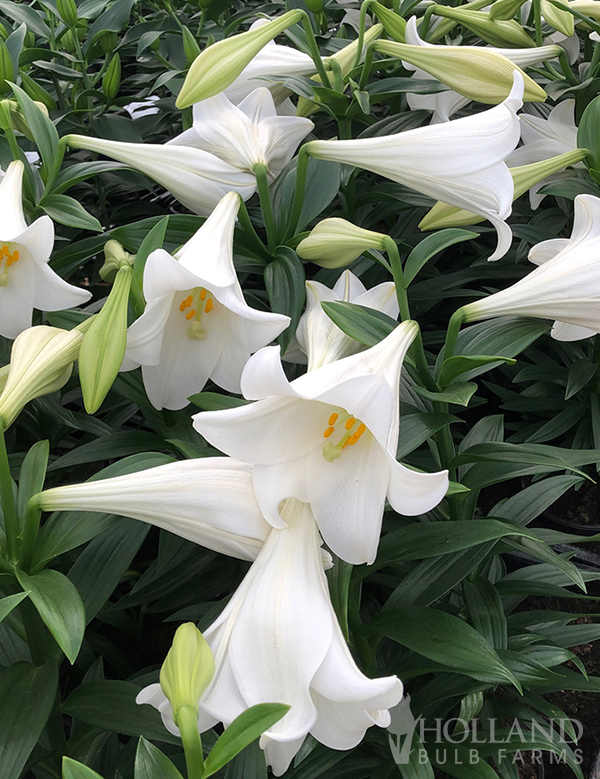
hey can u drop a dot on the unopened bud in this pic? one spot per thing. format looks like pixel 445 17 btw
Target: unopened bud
pixel 561 20
pixel 495 32
pixel 37 92
pixel 335 243
pixel 220 64
pixel 111 80
pixel 103 347
pixel 115 258
pixel 188 669
pixel 393 23
pixel 41 362
pixel 7 71
pixel 190 45
pixel 109 42
pixel 3 32
pixel 589 8
pixel 67 10
pixel 501 10
pixel 315 6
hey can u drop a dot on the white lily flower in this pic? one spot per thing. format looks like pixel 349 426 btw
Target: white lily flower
pixel 566 285
pixel 209 501
pixel 328 438
pixel 442 105
pixel 460 162
pixel 26 279
pixel 545 138
pixel 197 178
pixel 318 338
pixel 245 135
pixel 278 639
pixel 273 60
pixel 196 324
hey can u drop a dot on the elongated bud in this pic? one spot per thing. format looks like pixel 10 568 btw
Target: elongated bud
pixel 497 33
pixel 589 8
pixel 188 670
pixel 16 118
pixel 7 71
pixel 111 80
pixel 115 258
pixel 4 376
pixel 103 348
pixel 335 243
pixel 67 11
pixel 561 20
pixel 190 45
pixel 315 6
pixel 471 71
pixel 524 177
pixel 41 362
pixel 501 10
pixel 220 64
pixel 109 42
pixel 37 92
pixel 393 23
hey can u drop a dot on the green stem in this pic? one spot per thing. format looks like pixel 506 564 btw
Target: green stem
pixel 8 500
pixel 314 49
pixel 537 20
pixel 424 26
pixel 566 68
pixel 456 320
pixel 417 352
pixel 398 274
pixel 262 183
pixel 31 528
pixel 366 67
pixel 301 171
pixel 361 32
pixel 593 61
pixel 344 127
pixel 187 722
pixel 248 228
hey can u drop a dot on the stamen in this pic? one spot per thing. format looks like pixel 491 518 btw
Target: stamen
pixel 15 255
pixel 191 314
pixel 186 303
pixel 203 294
pixel 333 419
pixel 209 306
pixel 350 423
pixel 328 432
pixel 5 250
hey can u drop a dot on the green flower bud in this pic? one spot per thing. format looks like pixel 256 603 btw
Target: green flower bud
pixel 472 71
pixel 111 80
pixel 494 32
pixel 67 10
pixel 393 23
pixel 220 64
pixel 7 71
pixel 3 32
pixel 37 92
pixel 41 362
pixel 188 670
pixel 563 21
pixel 68 41
pixel 109 42
pixel 505 9
pixel 12 113
pixel 116 258
pixel 335 243
pixel 190 45
pixel 524 177
pixel 315 6
pixel 103 347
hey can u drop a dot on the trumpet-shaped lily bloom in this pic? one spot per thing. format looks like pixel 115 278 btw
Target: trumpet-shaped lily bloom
pixel 460 162
pixel 545 138
pixel 245 135
pixel 209 501
pixel 328 438
pixel 196 324
pixel 566 284
pixel 197 178
pixel 26 279
pixel 318 338
pixel 278 639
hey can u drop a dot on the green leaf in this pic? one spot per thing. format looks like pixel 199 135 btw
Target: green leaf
pixel 24 14
pixel 365 325
pixel 284 280
pixel 588 134
pixel 460 393
pixel 109 447
pixel 32 474
pixel 59 605
pixel 444 639
pixel 26 700
pixel 70 212
pixel 453 367
pixel 71 769
pixel 545 554
pixel 249 764
pixel 215 401
pixel 415 767
pixel 526 505
pixel 154 240
pixel 430 539
pixel 151 763
pixel 43 131
pixel 486 611
pixel 581 373
pixel 110 705
pixel 432 245
pixel 248 726
pixel 80 171
pixel 10 602
pixel 322 186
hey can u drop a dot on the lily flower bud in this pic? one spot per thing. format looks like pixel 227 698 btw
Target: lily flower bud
pixel 111 80
pixel 561 20
pixel 41 362
pixel 335 243
pixel 188 669
pixel 116 258
pixel 190 45
pixel 7 71
pixel 493 31
pixel 67 11
pixel 505 9
pixel 103 347
pixel 220 64
pixel 393 23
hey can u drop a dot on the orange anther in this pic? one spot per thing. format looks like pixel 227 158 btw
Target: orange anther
pixel 350 423
pixel 360 431
pixel 191 314
pixel 202 294
pixel 328 432
pixel 209 306
pixel 9 262
pixel 5 250
pixel 15 255
pixel 333 419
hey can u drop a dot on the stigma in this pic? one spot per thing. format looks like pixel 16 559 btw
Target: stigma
pixel 347 431
pixel 197 303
